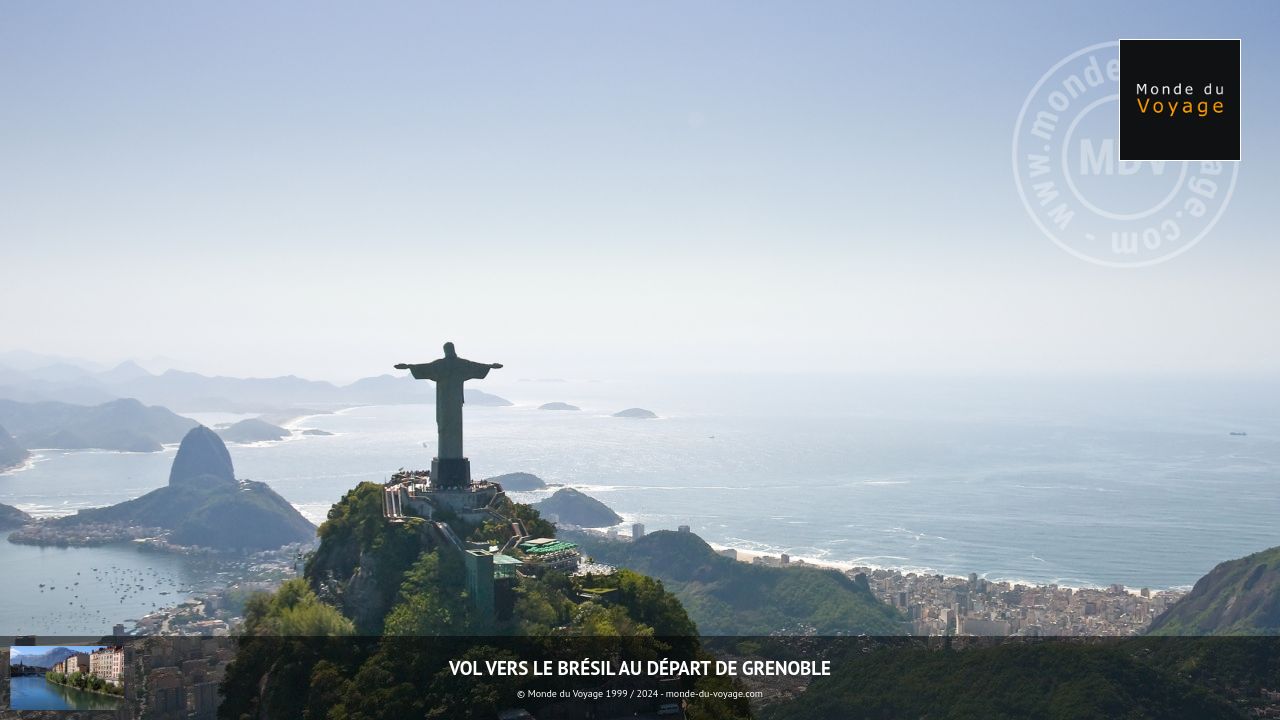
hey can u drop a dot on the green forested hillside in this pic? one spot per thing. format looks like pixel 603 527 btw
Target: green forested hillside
pixel 728 597
pixel 362 558
pixel 1238 597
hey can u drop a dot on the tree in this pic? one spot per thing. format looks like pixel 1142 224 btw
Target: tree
pixel 294 611
pixel 432 601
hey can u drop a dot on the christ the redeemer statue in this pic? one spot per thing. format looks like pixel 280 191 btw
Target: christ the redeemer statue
pixel 450 468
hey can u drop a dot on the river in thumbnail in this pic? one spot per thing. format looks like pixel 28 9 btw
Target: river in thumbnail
pixel 33 692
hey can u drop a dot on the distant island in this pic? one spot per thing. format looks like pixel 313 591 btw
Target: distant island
pixel 253 430
pixel 519 481
pixel 11 517
pixel 577 508
pixel 558 406
pixel 11 453
pixel 125 425
pixel 317 432
pixel 639 413
pixel 203 506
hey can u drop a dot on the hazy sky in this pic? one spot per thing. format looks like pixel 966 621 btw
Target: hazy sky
pixel 326 189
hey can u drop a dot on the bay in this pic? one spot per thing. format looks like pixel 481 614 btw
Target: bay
pixel 1084 483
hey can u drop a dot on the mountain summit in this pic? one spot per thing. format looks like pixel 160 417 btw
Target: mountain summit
pixel 202 459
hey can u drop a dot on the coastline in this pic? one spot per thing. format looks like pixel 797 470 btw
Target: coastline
pixel 293 422
pixel 746 549
pixel 749 556
pixel 26 464
pixel 309 510
pixel 937 604
pixel 845 566
pixel 1082 570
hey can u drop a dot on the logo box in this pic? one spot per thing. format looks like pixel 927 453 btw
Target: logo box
pixel 1179 100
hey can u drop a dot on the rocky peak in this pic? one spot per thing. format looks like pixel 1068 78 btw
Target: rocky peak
pixel 202 459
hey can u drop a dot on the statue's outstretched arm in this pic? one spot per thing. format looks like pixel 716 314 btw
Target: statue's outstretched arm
pixel 495 366
pixel 402 366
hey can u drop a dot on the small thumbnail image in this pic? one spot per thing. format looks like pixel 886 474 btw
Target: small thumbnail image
pixel 66 677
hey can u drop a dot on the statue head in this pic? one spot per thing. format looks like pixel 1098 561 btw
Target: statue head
pixel 449 351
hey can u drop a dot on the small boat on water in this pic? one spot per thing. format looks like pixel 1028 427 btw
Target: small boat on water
pixel 1239 434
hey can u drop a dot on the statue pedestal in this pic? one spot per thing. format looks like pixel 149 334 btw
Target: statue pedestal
pixel 450 472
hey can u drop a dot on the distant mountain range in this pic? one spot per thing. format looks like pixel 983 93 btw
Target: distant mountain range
pixel 46 659
pixel 72 407
pixel 115 425
pixel 192 392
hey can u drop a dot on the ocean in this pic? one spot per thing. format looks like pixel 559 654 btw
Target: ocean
pixel 1083 482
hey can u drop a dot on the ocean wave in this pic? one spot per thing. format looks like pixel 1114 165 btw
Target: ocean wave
pixel 1083 488
pixel 913 533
